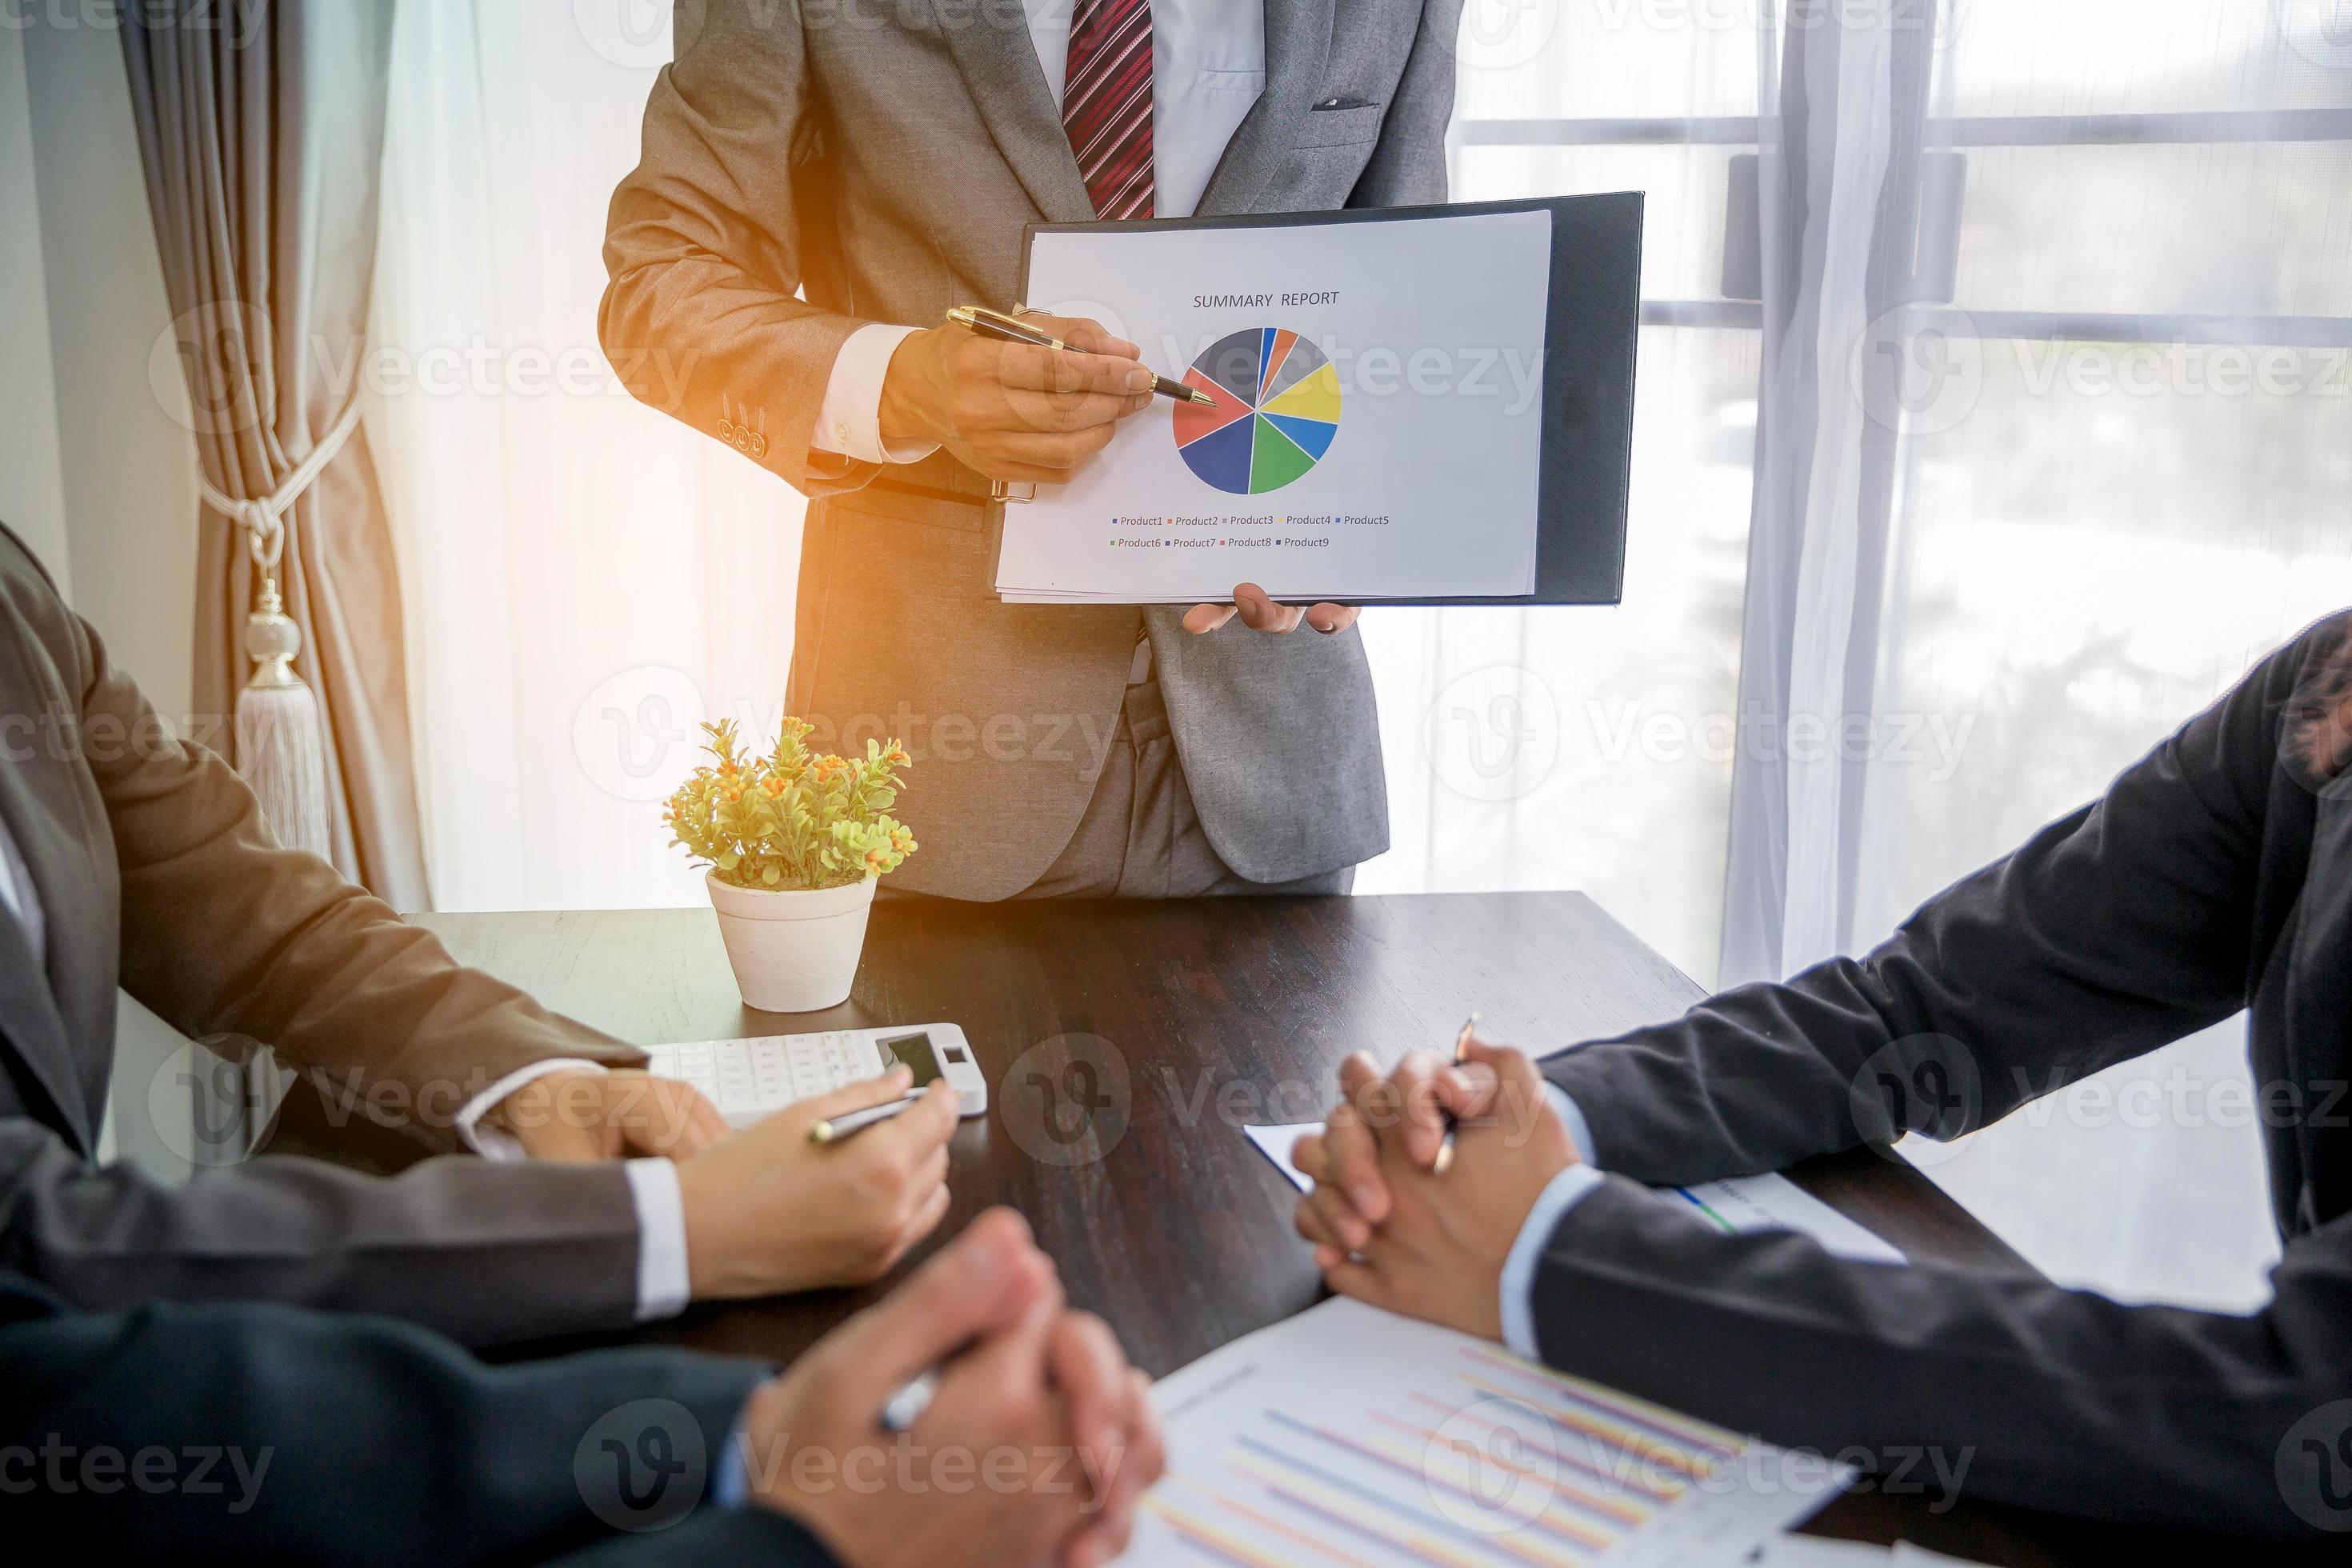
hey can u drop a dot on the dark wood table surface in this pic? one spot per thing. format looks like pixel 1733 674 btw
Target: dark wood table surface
pixel 1125 1042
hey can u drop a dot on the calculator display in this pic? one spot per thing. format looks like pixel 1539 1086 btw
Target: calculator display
pixel 914 1053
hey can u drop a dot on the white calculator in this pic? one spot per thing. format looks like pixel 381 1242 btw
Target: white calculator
pixel 748 1079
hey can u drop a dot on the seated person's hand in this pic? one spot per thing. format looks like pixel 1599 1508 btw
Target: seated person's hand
pixel 1410 1106
pixel 578 1114
pixel 1020 1377
pixel 766 1211
pixel 1012 411
pixel 1391 1229
pixel 1260 613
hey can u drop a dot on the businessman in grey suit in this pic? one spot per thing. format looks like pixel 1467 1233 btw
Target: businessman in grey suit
pixel 817 182
pixel 2215 876
pixel 131 857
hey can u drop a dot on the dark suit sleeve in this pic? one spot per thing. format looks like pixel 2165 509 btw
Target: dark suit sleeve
pixel 2113 931
pixel 333 1439
pixel 711 1535
pixel 487 1254
pixel 703 245
pixel 2017 1390
pixel 1408 167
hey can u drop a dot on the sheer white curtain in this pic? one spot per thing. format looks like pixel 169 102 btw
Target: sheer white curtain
pixel 585 579
pixel 2077 433
pixel 1592 748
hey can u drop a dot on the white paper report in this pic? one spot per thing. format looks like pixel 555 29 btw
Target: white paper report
pixel 1377 427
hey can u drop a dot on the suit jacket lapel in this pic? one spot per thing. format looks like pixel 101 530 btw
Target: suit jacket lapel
pixel 1297 42
pixel 34 1004
pixel 1000 64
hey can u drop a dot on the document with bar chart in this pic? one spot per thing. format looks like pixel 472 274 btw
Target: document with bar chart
pixel 1350 1436
pixel 1372 425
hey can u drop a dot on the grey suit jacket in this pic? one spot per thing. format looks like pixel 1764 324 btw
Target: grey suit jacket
pixel 2215 876
pixel 156 873
pixel 881 162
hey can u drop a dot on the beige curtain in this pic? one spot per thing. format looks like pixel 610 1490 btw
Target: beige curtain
pixel 261 131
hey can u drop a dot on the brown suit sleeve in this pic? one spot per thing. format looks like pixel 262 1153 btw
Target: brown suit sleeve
pixel 225 931
pixel 703 246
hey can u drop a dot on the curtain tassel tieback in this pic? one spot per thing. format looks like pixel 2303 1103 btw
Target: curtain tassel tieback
pixel 280 731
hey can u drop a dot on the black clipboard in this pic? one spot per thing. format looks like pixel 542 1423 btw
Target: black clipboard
pixel 1591 331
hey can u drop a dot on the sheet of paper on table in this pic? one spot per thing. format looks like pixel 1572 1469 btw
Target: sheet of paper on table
pixel 1739 1205
pixel 1349 1435
pixel 1375 428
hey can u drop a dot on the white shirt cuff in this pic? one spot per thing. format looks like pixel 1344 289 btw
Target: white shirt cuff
pixel 663 1288
pixel 497 1142
pixel 1563 1192
pixel 849 420
pixel 1571 1116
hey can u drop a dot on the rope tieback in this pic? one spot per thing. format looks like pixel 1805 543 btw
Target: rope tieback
pixel 280 733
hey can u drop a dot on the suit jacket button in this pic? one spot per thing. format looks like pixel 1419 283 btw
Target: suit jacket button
pixel 759 445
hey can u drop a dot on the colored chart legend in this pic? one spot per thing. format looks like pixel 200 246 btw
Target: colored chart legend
pixel 1277 408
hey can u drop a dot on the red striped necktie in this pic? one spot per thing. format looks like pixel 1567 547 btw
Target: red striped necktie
pixel 1107 103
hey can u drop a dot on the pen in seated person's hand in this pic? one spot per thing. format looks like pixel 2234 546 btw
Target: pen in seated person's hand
pixel 1437 1247
pixel 771 1209
pixel 1411 1109
pixel 1019 1375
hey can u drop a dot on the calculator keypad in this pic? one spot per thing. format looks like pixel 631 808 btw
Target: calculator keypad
pixel 746 1080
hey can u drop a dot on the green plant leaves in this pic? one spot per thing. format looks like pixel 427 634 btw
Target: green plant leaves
pixel 792 818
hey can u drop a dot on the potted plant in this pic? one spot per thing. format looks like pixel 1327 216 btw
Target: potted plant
pixel 795 843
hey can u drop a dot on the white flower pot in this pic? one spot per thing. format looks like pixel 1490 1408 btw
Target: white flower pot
pixel 794 951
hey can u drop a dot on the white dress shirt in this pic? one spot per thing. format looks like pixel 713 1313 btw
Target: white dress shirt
pixel 1208 67
pixel 1561 1194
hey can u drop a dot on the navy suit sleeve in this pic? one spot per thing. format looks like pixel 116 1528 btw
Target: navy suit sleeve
pixel 2012 1389
pixel 2115 930
pixel 711 1535
pixel 323 1438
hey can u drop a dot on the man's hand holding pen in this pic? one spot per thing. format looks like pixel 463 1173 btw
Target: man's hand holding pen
pixel 1017 412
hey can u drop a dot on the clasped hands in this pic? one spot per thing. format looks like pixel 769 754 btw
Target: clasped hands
pixel 1389 1228
pixel 766 1211
pixel 1026 414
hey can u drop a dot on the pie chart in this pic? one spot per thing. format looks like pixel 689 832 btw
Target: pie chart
pixel 1277 406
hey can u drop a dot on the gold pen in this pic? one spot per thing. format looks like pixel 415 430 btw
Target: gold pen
pixel 1445 1161
pixel 1007 329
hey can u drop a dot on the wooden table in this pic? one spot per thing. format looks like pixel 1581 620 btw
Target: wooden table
pixel 1124 1042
